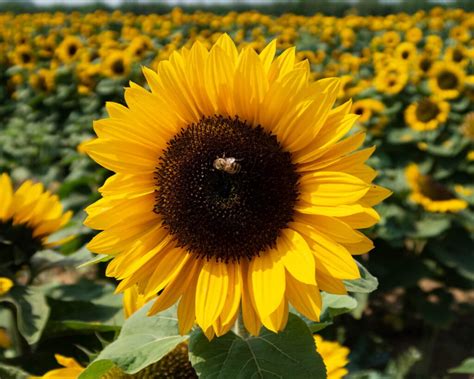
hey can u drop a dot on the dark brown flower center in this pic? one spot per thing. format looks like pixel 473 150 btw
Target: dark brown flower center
pixel 447 80
pixel 17 244
pixel 427 110
pixel 225 188
pixel 118 67
pixel 434 190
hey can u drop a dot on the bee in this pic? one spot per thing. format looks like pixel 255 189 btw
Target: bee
pixel 229 165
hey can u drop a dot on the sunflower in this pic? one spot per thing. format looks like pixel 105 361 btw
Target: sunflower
pixel 233 188
pixel 27 217
pixel 392 78
pixel 406 51
pixel 432 195
pixel 459 55
pixel 446 80
pixel 5 285
pixel 116 64
pixel 334 357
pixel 69 50
pixel 427 114
pixel 43 80
pixel 71 369
pixel 23 56
pixel 365 108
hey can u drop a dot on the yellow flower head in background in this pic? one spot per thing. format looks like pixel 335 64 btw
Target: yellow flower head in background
pixel 430 194
pixel 334 357
pixel 27 217
pixel 5 285
pixel 427 114
pixel 447 80
pixel 234 188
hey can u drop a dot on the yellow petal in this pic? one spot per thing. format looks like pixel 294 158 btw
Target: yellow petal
pixel 296 256
pixel 267 281
pixel 305 298
pixel 211 292
pixel 6 197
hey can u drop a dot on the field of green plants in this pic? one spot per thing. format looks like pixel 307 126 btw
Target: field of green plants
pixel 411 81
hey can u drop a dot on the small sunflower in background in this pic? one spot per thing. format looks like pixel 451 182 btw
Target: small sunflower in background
pixel 392 78
pixel 116 64
pixel 69 50
pixel 24 56
pixel 28 216
pixel 427 114
pixel 366 108
pixel 430 194
pixel 334 357
pixel 446 80
pixel 234 188
pixel 71 369
pixel 43 80
pixel 5 285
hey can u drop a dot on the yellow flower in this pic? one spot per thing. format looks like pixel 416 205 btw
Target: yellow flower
pixel 458 55
pixel 71 369
pixel 446 80
pixel 43 80
pixel 69 49
pixel 27 218
pixel 406 51
pixel 116 64
pixel 391 39
pixel 427 114
pixel 23 56
pixel 366 107
pixel 414 35
pixel 233 188
pixel 334 357
pixel 5 285
pixel 463 191
pixel 392 78
pixel 430 194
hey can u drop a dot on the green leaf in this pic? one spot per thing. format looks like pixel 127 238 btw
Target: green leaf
pixel 366 284
pixel 466 367
pixel 143 340
pixel 11 372
pixel 288 354
pixel 32 311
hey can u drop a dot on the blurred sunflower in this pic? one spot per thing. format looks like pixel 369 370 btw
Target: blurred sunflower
pixel 446 80
pixel 233 188
pixel 392 78
pixel 69 49
pixel 43 80
pixel 459 55
pixel 334 357
pixel 5 285
pixel 365 108
pixel 432 195
pixel 427 114
pixel 27 217
pixel 116 64
pixel 406 51
pixel 23 56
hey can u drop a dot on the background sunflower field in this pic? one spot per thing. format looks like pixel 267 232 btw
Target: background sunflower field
pixel 410 74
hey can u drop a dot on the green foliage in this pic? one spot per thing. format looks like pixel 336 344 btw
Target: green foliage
pixel 142 341
pixel 288 354
pixel 466 367
pixel 31 309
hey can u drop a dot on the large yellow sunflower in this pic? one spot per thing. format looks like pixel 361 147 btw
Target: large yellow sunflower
pixel 334 357
pixel 28 216
pixel 447 80
pixel 234 188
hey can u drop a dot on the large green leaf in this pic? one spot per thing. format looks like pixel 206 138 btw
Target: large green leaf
pixel 142 341
pixel 466 367
pixel 32 311
pixel 366 284
pixel 288 354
